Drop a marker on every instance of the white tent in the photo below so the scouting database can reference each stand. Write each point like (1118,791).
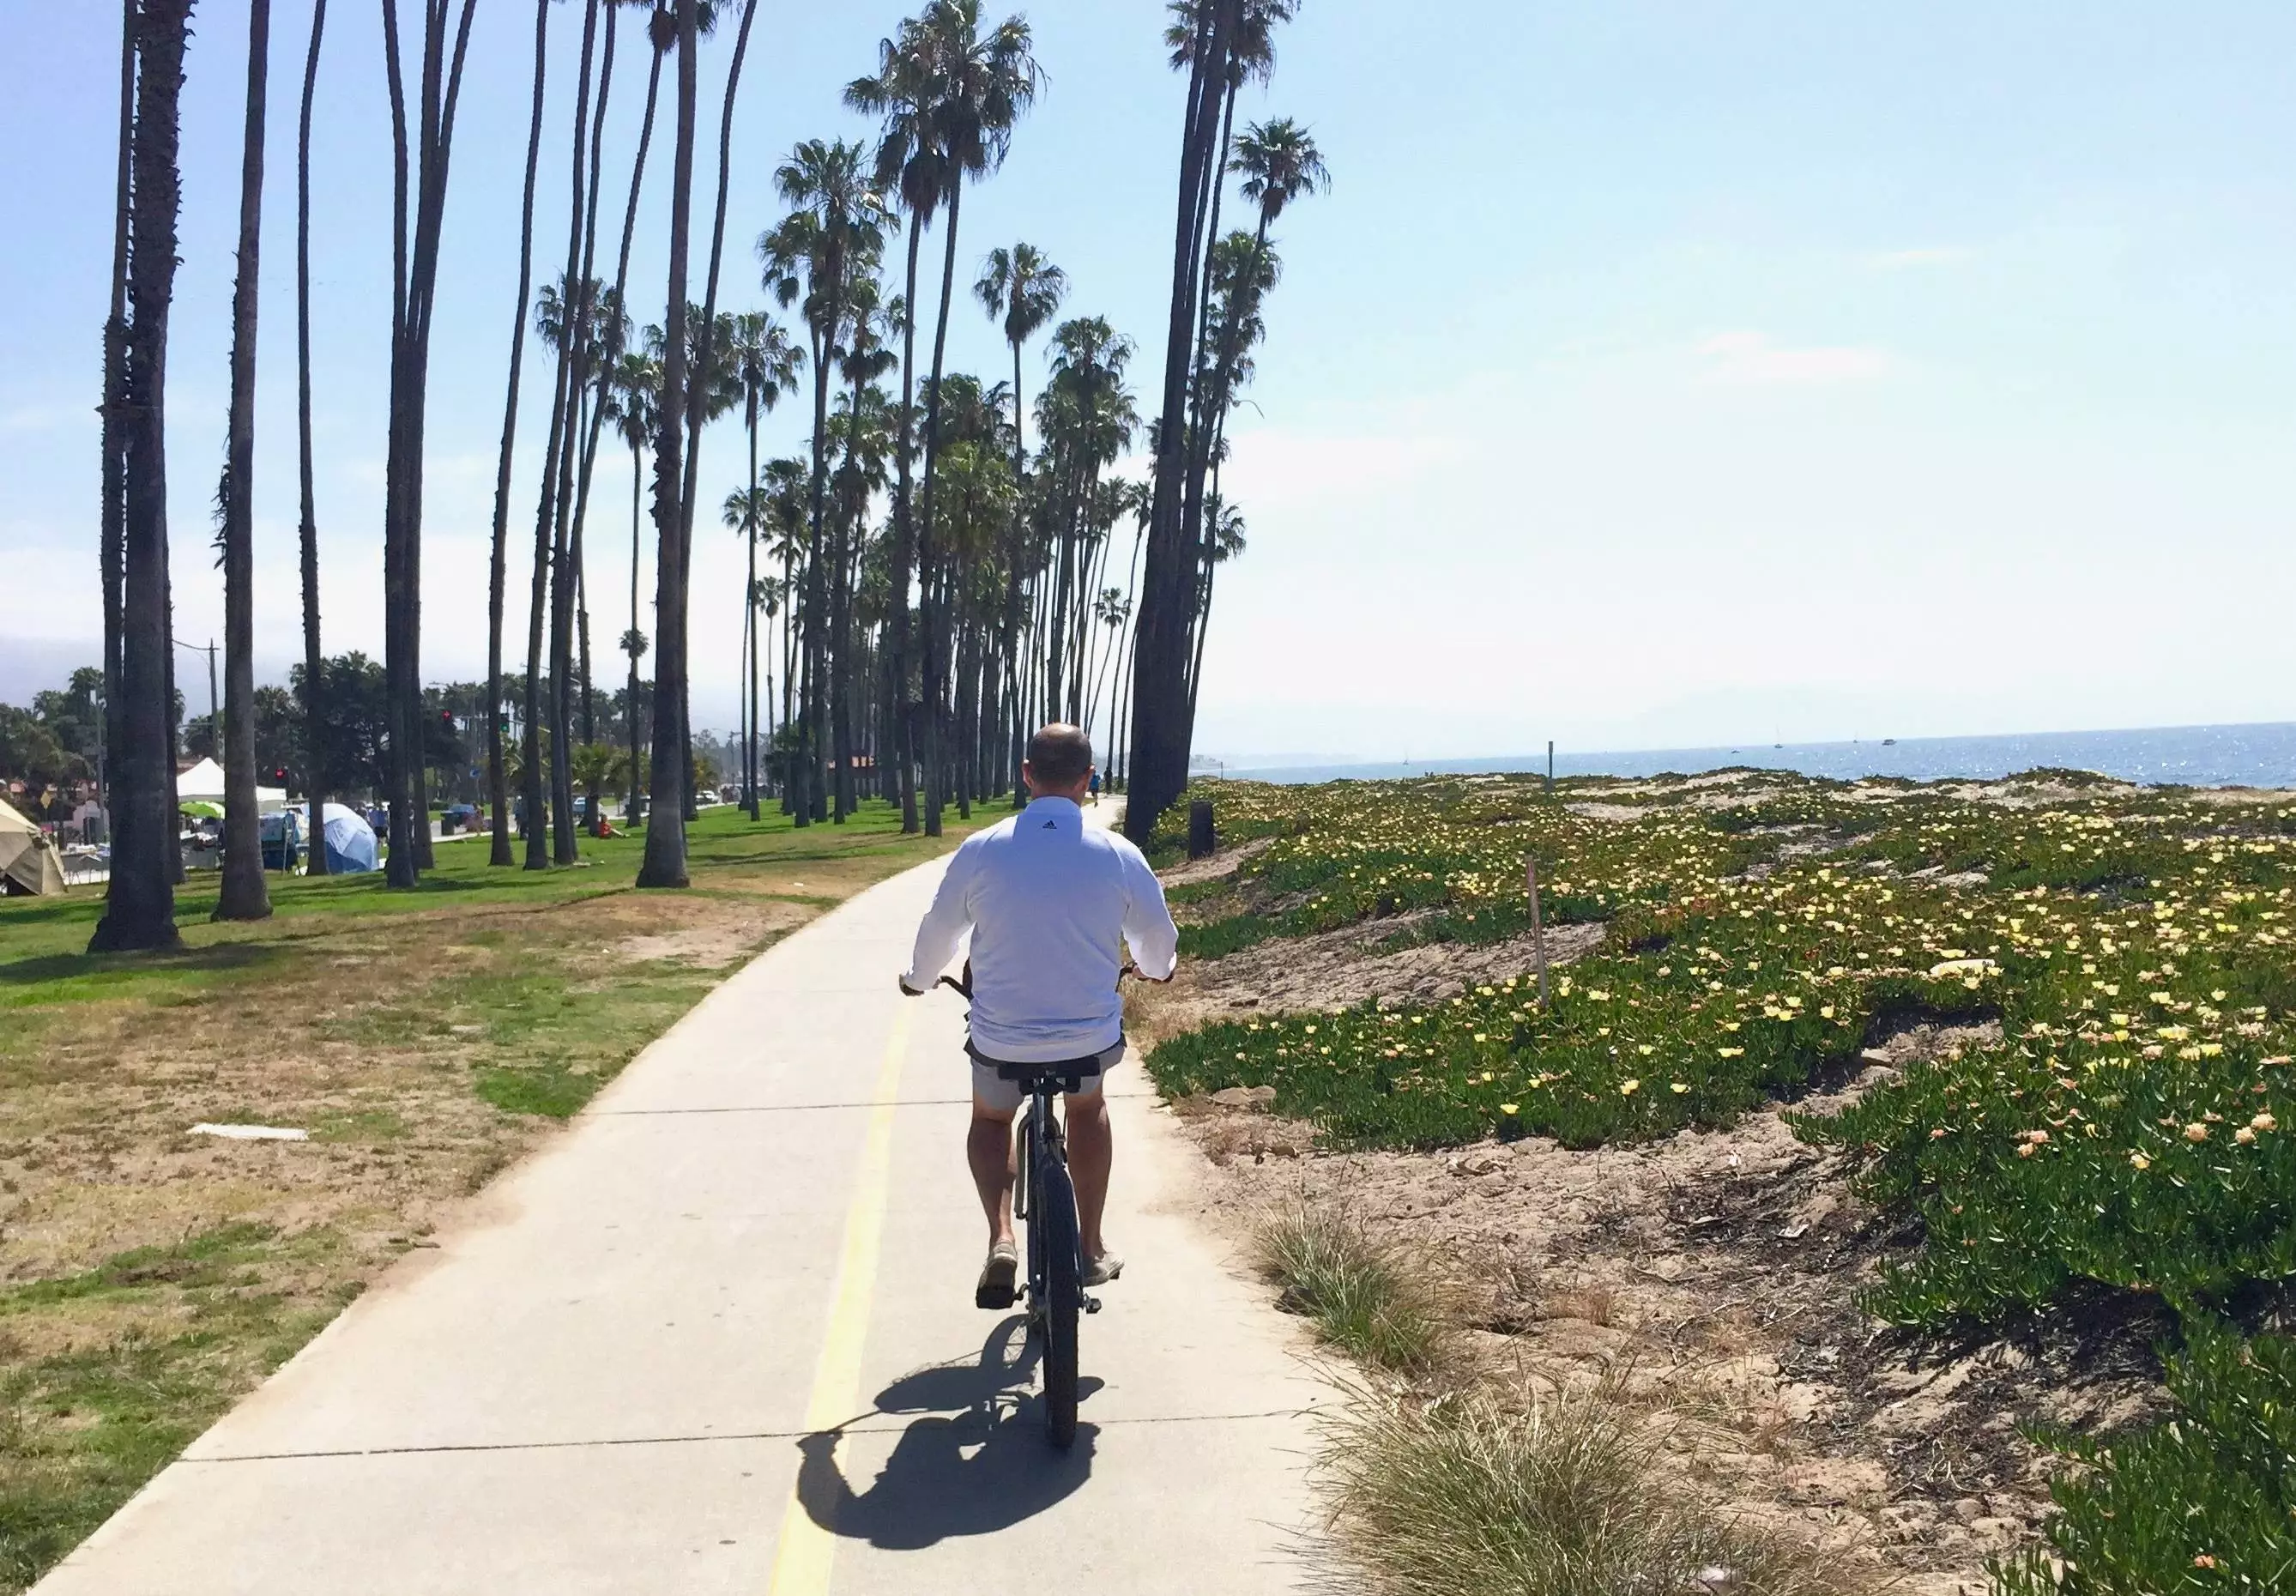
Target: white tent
(28,858)
(205,780)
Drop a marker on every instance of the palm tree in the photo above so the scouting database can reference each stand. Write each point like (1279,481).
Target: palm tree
(1225,543)
(243,895)
(114,408)
(1221,38)
(315,772)
(1251,57)
(976,87)
(910,164)
(414,282)
(1280,163)
(706,404)
(665,845)
(635,400)
(764,362)
(551,313)
(139,909)
(1024,290)
(831,238)
(863,360)
(497,772)
(785,482)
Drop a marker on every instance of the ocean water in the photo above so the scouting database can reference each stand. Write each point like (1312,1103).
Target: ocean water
(2261,755)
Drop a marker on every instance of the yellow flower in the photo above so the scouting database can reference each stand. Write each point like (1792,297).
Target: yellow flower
(2140,1161)
(1678,1087)
(1628,1087)
(1506,1107)
(1731,1052)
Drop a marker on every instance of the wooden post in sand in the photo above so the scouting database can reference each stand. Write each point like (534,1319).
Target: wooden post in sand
(1538,931)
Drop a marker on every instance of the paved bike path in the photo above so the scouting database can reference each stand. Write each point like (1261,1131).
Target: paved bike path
(720,1338)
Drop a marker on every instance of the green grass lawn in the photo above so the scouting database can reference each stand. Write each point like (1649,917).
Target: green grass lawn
(424,1038)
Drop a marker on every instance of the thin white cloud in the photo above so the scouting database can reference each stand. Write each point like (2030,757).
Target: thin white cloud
(1752,359)
(1934,255)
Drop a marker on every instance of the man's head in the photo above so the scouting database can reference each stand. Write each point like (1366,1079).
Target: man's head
(1058,763)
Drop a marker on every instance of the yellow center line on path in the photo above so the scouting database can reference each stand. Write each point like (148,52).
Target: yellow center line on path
(805,1551)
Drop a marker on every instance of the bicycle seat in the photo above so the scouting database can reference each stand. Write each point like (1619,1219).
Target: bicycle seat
(1068,1073)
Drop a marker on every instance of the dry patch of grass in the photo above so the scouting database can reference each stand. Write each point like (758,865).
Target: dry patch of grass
(150,1277)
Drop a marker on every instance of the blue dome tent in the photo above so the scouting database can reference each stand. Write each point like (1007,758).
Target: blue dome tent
(350,840)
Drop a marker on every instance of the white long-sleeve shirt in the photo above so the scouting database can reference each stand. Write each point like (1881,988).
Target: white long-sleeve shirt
(1049,900)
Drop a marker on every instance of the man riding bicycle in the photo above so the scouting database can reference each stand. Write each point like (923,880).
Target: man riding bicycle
(1051,903)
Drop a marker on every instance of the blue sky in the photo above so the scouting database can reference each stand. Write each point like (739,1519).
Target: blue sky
(1653,373)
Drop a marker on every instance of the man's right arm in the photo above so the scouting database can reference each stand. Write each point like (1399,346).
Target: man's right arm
(943,928)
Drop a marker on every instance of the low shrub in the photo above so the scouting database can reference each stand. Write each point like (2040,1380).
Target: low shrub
(1472,1496)
(2205,1502)
(1363,1297)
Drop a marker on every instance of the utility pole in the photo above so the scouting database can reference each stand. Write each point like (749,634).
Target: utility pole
(215,712)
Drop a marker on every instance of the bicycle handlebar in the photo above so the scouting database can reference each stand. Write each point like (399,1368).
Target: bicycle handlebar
(963,985)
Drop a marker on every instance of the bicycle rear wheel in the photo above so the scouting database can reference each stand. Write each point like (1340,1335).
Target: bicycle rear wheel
(1054,1218)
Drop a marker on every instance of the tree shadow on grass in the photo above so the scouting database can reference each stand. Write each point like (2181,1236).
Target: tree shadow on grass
(975,1460)
(107,969)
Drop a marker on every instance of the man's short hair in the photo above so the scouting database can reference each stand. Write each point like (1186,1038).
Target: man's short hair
(1059,755)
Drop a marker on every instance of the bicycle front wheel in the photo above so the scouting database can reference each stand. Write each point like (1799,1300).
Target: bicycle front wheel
(1054,1218)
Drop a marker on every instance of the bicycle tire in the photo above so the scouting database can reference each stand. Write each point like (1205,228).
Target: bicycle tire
(1054,1217)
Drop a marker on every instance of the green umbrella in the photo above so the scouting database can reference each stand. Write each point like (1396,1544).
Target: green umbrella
(202,808)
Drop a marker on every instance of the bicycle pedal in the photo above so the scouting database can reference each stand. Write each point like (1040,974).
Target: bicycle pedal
(1092,1304)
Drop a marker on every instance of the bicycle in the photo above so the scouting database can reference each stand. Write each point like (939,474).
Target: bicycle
(1043,1199)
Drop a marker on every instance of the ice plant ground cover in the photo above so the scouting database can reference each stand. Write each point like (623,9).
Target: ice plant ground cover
(2137,948)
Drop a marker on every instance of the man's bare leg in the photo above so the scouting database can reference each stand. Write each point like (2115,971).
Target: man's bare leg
(989,1149)
(1091,1152)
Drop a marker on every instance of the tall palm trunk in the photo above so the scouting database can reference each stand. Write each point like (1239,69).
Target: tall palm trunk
(1160,765)
(665,844)
(497,782)
(698,400)
(414,280)
(314,739)
(243,894)
(933,651)
(540,786)
(905,545)
(574,350)
(637,476)
(117,423)
(811,799)
(139,909)
(840,682)
(750,619)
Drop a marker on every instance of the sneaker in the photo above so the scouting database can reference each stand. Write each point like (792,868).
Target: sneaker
(994,1291)
(1101,1270)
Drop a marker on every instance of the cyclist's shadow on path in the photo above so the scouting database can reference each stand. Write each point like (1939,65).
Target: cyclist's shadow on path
(974,1461)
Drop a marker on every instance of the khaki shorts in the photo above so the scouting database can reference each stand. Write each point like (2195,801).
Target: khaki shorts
(992,1091)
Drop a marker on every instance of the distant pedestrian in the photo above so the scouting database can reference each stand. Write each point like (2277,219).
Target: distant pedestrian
(1095,786)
